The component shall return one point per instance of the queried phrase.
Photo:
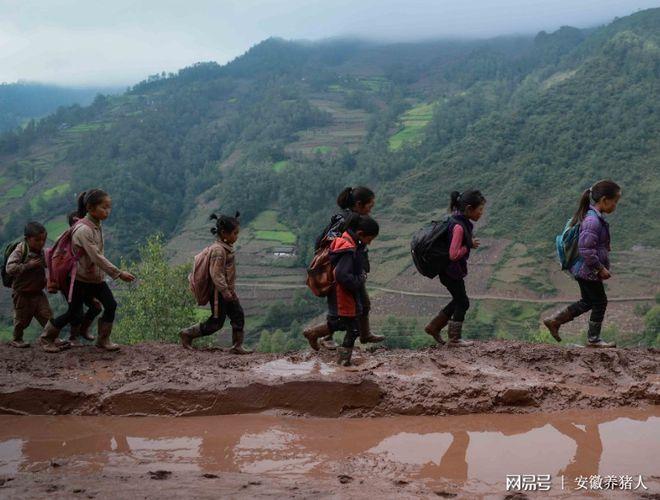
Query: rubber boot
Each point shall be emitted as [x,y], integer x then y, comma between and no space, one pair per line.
[84,329]
[437,324]
[454,334]
[103,339]
[237,337]
[553,323]
[329,343]
[593,336]
[345,354]
[366,337]
[18,339]
[74,336]
[188,334]
[314,333]
[48,337]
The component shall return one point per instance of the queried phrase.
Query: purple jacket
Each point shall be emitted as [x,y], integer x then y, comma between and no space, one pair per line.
[593,245]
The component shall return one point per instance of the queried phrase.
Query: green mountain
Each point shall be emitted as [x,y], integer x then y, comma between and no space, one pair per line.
[23,101]
[279,131]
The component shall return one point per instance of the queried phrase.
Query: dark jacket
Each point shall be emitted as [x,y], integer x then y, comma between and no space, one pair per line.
[26,280]
[335,229]
[346,257]
[459,269]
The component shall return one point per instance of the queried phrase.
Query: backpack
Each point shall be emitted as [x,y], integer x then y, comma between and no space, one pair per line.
[429,247]
[320,278]
[567,245]
[7,280]
[199,278]
[62,262]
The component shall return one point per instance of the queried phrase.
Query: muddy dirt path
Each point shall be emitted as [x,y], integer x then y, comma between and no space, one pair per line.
[163,379]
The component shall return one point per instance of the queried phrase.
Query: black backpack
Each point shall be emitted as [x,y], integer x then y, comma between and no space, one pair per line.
[429,247]
[7,280]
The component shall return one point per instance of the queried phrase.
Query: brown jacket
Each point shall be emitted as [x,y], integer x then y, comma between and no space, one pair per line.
[26,280]
[92,264]
[223,267]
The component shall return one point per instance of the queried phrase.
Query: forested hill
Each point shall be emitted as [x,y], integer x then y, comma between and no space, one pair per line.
[531,121]
[23,101]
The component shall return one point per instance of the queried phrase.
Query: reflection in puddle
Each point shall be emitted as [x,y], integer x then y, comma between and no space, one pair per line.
[470,449]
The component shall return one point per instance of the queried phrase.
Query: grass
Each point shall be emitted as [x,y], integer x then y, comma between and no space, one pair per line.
[414,121]
[16,191]
[56,226]
[280,165]
[49,194]
[267,227]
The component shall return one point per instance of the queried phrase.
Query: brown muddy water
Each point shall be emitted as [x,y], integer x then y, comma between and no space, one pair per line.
[470,454]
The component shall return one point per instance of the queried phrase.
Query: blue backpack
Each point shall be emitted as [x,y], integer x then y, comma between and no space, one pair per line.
[567,245]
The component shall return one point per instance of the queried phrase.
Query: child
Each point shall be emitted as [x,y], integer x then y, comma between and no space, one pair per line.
[94,207]
[81,323]
[465,208]
[345,307]
[359,200]
[224,301]
[592,268]
[27,266]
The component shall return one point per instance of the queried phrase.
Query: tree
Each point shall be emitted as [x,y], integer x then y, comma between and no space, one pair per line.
[159,304]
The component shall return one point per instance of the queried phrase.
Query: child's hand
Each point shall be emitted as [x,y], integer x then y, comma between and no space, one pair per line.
[476,243]
[34,264]
[604,274]
[126,276]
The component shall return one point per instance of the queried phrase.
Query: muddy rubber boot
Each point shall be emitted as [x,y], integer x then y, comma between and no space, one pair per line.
[103,339]
[345,354]
[556,321]
[74,336]
[454,334]
[188,334]
[594,337]
[366,337]
[329,343]
[48,337]
[84,330]
[315,333]
[17,340]
[237,337]
[437,324]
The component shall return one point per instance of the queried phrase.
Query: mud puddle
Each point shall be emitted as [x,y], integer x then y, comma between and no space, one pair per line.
[468,455]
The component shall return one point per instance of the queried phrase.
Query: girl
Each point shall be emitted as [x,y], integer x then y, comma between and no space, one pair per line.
[94,207]
[80,324]
[345,307]
[592,268]
[359,200]
[465,208]
[224,301]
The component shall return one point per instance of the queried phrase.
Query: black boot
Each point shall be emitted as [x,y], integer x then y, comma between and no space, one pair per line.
[594,336]
[454,332]
[345,354]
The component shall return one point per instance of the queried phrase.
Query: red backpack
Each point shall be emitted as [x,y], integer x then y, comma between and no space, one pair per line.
[200,277]
[62,262]
[320,278]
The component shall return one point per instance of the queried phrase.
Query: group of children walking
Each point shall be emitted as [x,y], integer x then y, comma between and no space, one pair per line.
[345,241]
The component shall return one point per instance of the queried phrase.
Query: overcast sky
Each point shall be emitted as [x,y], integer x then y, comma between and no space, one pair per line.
[120,42]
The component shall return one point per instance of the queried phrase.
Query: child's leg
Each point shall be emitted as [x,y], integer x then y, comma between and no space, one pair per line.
[42,310]
[23,313]
[216,321]
[594,292]
[352,333]
[237,319]
[365,328]
[102,292]
[460,302]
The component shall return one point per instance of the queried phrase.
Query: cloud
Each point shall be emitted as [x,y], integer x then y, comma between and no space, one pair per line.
[121,42]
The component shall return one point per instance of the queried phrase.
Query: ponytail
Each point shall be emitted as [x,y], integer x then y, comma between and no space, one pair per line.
[90,198]
[602,189]
[470,198]
[349,197]
[225,223]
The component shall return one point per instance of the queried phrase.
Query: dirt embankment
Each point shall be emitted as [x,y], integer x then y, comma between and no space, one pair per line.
[494,376]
